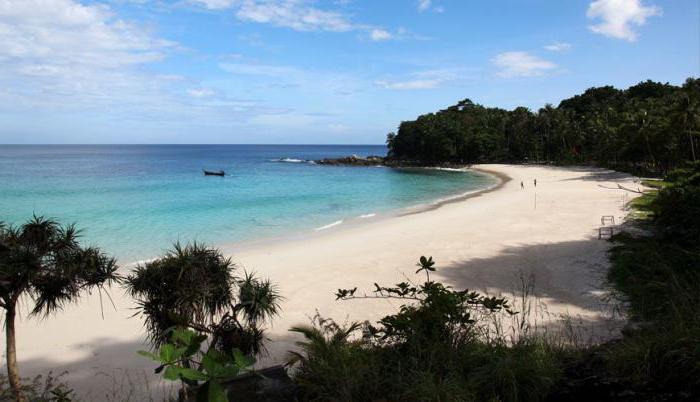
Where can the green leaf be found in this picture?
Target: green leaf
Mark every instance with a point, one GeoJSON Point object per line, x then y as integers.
{"type": "Point", "coordinates": [148, 354]}
{"type": "Point", "coordinates": [174, 373]}
{"type": "Point", "coordinates": [210, 363]}
{"type": "Point", "coordinates": [191, 374]}
{"type": "Point", "coordinates": [182, 335]}
{"type": "Point", "coordinates": [167, 353]}
{"type": "Point", "coordinates": [216, 392]}
{"type": "Point", "coordinates": [226, 372]}
{"type": "Point", "coordinates": [171, 373]}
{"type": "Point", "coordinates": [211, 391]}
{"type": "Point", "coordinates": [242, 360]}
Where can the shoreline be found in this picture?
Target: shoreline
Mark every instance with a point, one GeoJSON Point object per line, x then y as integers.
{"type": "Point", "coordinates": [502, 180]}
{"type": "Point", "coordinates": [483, 244]}
{"type": "Point", "coordinates": [341, 223]}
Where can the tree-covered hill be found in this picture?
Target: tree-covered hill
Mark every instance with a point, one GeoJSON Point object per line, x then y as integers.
{"type": "Point", "coordinates": [650, 126]}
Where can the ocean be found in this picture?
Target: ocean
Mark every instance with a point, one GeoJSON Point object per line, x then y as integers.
{"type": "Point", "coordinates": [134, 201]}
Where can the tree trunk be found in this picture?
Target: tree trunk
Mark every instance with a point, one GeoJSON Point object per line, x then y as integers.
{"type": "Point", "coordinates": [12, 370]}
{"type": "Point", "coordinates": [692, 144]}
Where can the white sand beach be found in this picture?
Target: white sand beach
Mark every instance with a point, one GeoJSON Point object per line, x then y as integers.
{"type": "Point", "coordinates": [483, 242]}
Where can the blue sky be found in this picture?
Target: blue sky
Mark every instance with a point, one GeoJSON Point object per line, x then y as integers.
{"type": "Point", "coordinates": [314, 71]}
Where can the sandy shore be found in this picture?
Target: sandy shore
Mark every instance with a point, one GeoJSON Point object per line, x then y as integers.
{"type": "Point", "coordinates": [485, 242]}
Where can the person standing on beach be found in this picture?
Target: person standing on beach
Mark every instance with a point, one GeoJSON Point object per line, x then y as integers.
{"type": "Point", "coordinates": [535, 182]}
{"type": "Point", "coordinates": [522, 186]}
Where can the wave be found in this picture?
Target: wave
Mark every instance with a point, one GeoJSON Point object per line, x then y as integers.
{"type": "Point", "coordinates": [293, 160]}
{"type": "Point", "coordinates": [330, 225]}
{"type": "Point", "coordinates": [464, 169]}
{"type": "Point", "coordinates": [368, 215]}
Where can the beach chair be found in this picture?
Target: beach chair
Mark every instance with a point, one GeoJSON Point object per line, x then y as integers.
{"type": "Point", "coordinates": [605, 231]}
{"type": "Point", "coordinates": [607, 218]}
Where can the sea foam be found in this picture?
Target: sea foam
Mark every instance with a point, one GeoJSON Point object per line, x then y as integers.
{"type": "Point", "coordinates": [292, 160]}
{"type": "Point", "coordinates": [330, 225]}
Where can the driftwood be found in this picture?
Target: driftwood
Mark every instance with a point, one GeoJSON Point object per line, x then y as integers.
{"type": "Point", "coordinates": [638, 191]}
{"type": "Point", "coordinates": [620, 187]}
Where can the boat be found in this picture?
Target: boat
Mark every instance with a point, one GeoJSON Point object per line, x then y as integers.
{"type": "Point", "coordinates": [214, 173]}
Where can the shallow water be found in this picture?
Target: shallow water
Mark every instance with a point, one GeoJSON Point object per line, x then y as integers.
{"type": "Point", "coordinates": [135, 200]}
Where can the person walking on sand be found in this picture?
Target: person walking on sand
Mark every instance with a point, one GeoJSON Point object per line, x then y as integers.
{"type": "Point", "coordinates": [522, 186]}
{"type": "Point", "coordinates": [535, 182]}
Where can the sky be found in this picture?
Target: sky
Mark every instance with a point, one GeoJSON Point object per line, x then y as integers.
{"type": "Point", "coordinates": [314, 71]}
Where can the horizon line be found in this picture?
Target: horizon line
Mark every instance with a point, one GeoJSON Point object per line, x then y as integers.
{"type": "Point", "coordinates": [155, 144]}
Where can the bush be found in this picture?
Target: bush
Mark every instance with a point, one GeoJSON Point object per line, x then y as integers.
{"type": "Point", "coordinates": [658, 274]}
{"type": "Point", "coordinates": [439, 346]}
{"type": "Point", "coordinates": [41, 388]}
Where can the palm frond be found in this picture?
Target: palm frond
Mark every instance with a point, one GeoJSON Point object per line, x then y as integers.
{"type": "Point", "coordinates": [258, 299]}
{"type": "Point", "coordinates": [43, 260]}
{"type": "Point", "coordinates": [189, 284]}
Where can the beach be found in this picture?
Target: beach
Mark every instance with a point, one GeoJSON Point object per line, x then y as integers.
{"type": "Point", "coordinates": [485, 241]}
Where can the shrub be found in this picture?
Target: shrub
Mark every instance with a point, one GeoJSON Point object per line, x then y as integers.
{"type": "Point", "coordinates": [439, 346]}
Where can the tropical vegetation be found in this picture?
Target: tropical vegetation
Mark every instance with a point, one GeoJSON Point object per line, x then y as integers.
{"type": "Point", "coordinates": [441, 345]}
{"type": "Point", "coordinates": [43, 263]}
{"type": "Point", "coordinates": [185, 358]}
{"type": "Point", "coordinates": [205, 321]}
{"type": "Point", "coordinates": [648, 127]}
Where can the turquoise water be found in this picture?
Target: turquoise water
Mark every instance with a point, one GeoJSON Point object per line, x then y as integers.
{"type": "Point", "coordinates": [135, 200]}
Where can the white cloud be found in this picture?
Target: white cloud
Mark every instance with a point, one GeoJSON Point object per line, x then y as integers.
{"type": "Point", "coordinates": [215, 4]}
{"type": "Point", "coordinates": [521, 64]}
{"type": "Point", "coordinates": [294, 14]}
{"type": "Point", "coordinates": [426, 79]}
{"type": "Point", "coordinates": [200, 92]}
{"type": "Point", "coordinates": [558, 47]}
{"type": "Point", "coordinates": [61, 52]}
{"type": "Point", "coordinates": [617, 17]}
{"type": "Point", "coordinates": [60, 58]}
{"type": "Point", "coordinates": [410, 84]}
{"type": "Point", "coordinates": [380, 34]}
{"type": "Point", "coordinates": [258, 69]}
{"type": "Point", "coordinates": [299, 15]}
{"type": "Point", "coordinates": [423, 5]}
{"type": "Point", "coordinates": [338, 128]}
{"type": "Point", "coordinates": [69, 33]}
{"type": "Point", "coordinates": [293, 79]}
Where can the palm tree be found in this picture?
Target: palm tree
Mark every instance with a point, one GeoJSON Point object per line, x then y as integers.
{"type": "Point", "coordinates": [42, 263]}
{"type": "Point", "coordinates": [193, 286]}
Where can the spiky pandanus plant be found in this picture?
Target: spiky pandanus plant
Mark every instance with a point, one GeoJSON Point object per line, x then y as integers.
{"type": "Point", "coordinates": [43, 264]}
{"type": "Point", "coordinates": [194, 286]}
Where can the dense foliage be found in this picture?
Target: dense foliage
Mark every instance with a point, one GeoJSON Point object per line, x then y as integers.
{"type": "Point", "coordinates": [185, 358]}
{"type": "Point", "coordinates": [192, 296]}
{"type": "Point", "coordinates": [195, 286]}
{"type": "Point", "coordinates": [439, 346]}
{"type": "Point", "coordinates": [649, 126]}
{"type": "Point", "coordinates": [658, 272]}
